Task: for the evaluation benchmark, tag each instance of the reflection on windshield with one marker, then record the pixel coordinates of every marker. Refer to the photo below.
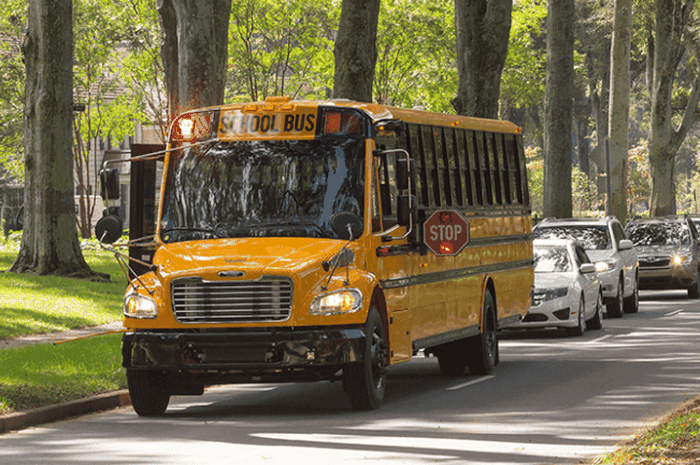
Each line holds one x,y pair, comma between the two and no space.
551,260
262,188
590,237
658,233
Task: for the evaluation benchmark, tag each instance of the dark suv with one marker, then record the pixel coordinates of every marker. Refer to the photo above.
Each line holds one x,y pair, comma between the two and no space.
667,252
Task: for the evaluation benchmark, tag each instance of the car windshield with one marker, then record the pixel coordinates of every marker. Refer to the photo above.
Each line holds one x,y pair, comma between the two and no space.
591,237
551,260
671,233
275,188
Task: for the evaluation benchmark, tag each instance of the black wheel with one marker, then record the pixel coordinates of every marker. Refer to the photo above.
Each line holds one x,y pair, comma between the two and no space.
632,302
365,382
453,357
616,305
694,290
581,327
483,353
597,321
148,392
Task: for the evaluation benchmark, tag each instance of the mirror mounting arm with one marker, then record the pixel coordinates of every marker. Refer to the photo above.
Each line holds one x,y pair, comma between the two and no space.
409,228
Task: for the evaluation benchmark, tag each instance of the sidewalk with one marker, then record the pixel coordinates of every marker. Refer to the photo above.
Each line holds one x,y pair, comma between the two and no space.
38,416
60,336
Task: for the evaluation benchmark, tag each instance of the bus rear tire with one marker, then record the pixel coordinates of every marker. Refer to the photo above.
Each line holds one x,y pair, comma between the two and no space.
365,382
483,353
148,392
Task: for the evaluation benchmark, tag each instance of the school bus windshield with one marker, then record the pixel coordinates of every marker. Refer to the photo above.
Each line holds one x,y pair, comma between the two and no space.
263,188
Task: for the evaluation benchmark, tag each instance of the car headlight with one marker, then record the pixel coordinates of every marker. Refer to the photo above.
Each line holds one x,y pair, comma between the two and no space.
551,294
605,265
140,306
680,259
343,301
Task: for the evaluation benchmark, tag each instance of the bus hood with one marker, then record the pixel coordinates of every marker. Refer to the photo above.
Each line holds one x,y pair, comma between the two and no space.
247,254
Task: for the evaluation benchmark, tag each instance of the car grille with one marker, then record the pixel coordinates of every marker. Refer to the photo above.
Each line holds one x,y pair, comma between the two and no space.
198,301
654,261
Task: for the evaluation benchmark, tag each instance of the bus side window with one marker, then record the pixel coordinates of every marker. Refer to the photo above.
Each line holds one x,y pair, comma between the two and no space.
492,173
413,146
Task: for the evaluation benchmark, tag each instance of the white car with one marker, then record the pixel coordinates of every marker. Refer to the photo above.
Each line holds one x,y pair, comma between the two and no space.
614,255
567,290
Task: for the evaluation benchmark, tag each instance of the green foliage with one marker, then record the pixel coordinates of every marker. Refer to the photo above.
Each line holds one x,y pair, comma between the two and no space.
522,82
416,62
535,179
12,72
280,48
587,201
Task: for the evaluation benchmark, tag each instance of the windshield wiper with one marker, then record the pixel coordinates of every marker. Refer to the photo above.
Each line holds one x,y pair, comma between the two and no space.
320,230
188,229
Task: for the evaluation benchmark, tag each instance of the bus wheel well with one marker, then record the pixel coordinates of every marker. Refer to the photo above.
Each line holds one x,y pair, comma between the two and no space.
380,303
491,287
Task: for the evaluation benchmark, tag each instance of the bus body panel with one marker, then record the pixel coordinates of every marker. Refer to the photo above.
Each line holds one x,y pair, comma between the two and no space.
425,300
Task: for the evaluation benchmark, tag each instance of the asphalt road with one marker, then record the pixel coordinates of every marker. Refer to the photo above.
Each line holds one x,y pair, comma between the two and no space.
552,399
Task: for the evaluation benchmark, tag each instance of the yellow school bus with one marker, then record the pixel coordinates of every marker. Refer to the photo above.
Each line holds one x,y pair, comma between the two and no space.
298,241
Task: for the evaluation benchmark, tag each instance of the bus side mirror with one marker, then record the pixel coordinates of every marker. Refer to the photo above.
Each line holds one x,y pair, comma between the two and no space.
109,183
405,209
109,228
385,195
404,168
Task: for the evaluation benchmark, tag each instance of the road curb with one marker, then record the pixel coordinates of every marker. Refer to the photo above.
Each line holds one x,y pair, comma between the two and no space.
41,415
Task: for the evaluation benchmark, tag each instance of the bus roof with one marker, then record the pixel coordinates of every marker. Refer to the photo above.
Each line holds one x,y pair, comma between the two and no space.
378,112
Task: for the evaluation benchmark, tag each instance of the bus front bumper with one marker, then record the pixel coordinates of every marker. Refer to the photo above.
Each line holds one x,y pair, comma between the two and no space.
242,351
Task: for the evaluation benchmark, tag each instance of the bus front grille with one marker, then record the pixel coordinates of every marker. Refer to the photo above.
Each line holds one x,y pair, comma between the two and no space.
264,300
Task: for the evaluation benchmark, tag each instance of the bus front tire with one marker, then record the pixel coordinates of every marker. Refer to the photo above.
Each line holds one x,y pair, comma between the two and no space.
484,347
365,382
147,390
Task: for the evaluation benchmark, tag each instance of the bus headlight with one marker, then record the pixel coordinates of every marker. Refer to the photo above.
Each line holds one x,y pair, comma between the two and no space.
140,306
343,301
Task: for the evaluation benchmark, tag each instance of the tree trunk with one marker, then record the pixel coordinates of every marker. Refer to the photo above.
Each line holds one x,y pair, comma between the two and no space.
559,108
356,50
483,29
619,106
194,51
672,17
49,239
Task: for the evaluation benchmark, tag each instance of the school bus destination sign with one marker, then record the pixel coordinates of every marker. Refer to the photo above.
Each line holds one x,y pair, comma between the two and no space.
446,232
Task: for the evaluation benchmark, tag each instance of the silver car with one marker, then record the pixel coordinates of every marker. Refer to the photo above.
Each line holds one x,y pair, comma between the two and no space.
567,291
668,253
614,255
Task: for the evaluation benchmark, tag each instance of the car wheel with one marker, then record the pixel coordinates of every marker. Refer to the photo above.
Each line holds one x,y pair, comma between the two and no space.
616,305
581,327
632,302
148,393
484,347
365,382
597,321
694,290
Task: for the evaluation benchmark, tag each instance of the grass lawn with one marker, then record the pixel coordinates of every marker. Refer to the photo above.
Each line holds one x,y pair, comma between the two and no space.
32,304
46,374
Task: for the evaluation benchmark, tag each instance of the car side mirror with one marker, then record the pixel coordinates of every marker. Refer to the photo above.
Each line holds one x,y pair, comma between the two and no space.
587,268
625,244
